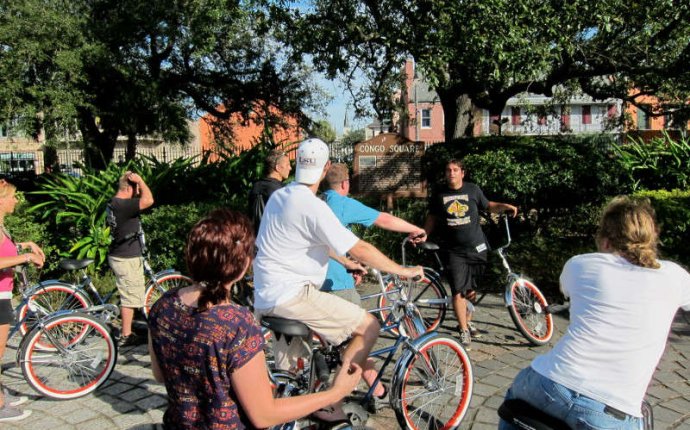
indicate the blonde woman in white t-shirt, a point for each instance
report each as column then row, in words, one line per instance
column 622, row 303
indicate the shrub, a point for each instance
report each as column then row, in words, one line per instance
column 549, row 175
column 26, row 227
column 166, row 230
column 673, row 216
column 661, row 163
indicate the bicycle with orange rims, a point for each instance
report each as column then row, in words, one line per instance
column 432, row 379
column 526, row 304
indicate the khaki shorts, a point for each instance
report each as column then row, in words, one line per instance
column 351, row 295
column 331, row 317
column 129, row 278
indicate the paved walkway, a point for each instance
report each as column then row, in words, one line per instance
column 132, row 400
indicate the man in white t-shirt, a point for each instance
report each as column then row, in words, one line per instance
column 298, row 233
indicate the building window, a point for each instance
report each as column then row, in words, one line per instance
column 515, row 116
column 565, row 118
column 586, row 114
column 612, row 111
column 426, row 118
column 643, row 119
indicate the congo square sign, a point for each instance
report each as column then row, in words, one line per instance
column 389, row 164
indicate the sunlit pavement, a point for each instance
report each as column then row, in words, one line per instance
column 132, row 400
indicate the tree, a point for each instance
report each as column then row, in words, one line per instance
column 323, row 130
column 481, row 53
column 111, row 68
column 353, row 137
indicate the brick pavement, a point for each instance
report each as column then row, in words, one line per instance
column 132, row 400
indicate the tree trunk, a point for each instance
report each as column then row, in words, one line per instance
column 99, row 151
column 458, row 113
column 99, row 142
column 131, row 146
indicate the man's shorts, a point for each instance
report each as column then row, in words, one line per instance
column 328, row 315
column 129, row 278
column 333, row 318
column 350, row 294
column 463, row 276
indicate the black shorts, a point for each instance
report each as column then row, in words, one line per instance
column 463, row 276
column 6, row 312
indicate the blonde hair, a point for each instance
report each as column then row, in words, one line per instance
column 629, row 226
column 6, row 189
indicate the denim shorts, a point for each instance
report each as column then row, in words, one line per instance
column 578, row 411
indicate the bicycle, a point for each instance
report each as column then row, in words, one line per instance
column 55, row 295
column 65, row 354
column 526, row 304
column 432, row 378
column 80, row 356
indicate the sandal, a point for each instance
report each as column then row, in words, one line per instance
column 330, row 415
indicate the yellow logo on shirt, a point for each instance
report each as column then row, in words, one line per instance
column 457, row 209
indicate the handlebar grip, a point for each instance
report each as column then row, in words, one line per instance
column 554, row 309
column 417, row 278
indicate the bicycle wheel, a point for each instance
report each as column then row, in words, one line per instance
column 166, row 282
column 432, row 387
column 46, row 299
column 528, row 311
column 428, row 295
column 70, row 369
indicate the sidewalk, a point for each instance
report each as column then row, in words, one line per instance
column 132, row 400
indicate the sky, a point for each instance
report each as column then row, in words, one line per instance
column 336, row 108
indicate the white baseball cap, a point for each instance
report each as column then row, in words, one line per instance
column 312, row 156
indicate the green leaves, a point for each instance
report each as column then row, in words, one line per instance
column 662, row 163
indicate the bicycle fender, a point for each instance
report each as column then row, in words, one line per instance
column 401, row 366
column 167, row 272
column 38, row 326
column 50, row 283
column 432, row 274
column 508, row 294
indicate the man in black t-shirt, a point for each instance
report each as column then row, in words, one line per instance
column 277, row 169
column 125, row 255
column 454, row 215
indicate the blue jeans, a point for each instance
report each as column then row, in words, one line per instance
column 578, row 411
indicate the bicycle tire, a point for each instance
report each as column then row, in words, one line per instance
column 154, row 290
column 432, row 384
column 430, row 298
column 50, row 298
column 528, row 311
column 70, row 369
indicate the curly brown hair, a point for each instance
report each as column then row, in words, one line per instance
column 629, row 226
column 219, row 248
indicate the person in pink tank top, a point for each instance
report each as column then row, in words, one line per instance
column 11, row 255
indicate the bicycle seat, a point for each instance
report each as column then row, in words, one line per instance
column 70, row 264
column 285, row 326
column 521, row 414
column 428, row 246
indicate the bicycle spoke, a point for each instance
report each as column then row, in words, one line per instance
column 437, row 386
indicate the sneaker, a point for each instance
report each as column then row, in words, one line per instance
column 466, row 339
column 130, row 340
column 10, row 413
column 474, row 331
column 14, row 401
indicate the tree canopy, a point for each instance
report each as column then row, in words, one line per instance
column 323, row 130
column 109, row 68
column 481, row 53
